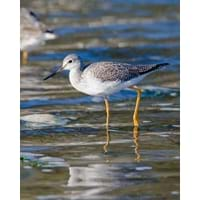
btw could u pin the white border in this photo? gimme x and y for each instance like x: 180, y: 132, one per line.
x: 190, y: 99
x: 10, y: 99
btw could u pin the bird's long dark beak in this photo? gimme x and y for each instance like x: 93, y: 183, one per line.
x: 55, y: 70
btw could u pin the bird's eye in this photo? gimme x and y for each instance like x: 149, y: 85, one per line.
x: 70, y: 61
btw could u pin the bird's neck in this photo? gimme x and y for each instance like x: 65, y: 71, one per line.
x: 75, y: 76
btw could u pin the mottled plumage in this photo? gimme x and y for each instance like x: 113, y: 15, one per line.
x: 111, y: 71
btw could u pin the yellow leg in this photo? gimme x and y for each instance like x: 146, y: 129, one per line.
x: 107, y: 125
x: 107, y: 112
x: 136, y: 142
x: 136, y: 112
x: 24, y: 57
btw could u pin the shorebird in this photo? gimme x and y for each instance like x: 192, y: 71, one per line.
x: 105, y: 78
x: 32, y: 33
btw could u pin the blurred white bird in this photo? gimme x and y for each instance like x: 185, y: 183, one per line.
x: 32, y: 33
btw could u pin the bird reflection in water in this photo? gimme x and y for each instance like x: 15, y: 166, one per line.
x: 135, y: 142
x: 105, y: 147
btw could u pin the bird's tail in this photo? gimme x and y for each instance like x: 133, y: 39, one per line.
x: 50, y: 35
x: 144, y: 69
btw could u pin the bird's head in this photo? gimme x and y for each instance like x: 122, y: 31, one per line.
x: 71, y: 61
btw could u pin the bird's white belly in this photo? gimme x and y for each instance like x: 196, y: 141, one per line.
x: 96, y: 87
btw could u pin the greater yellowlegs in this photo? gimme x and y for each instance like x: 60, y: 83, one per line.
x: 32, y: 32
x: 106, y: 78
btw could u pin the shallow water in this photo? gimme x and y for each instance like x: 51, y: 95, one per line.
x: 63, y: 131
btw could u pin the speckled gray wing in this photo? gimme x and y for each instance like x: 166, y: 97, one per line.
x: 110, y: 71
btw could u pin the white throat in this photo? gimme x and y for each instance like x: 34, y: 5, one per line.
x: 75, y: 78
